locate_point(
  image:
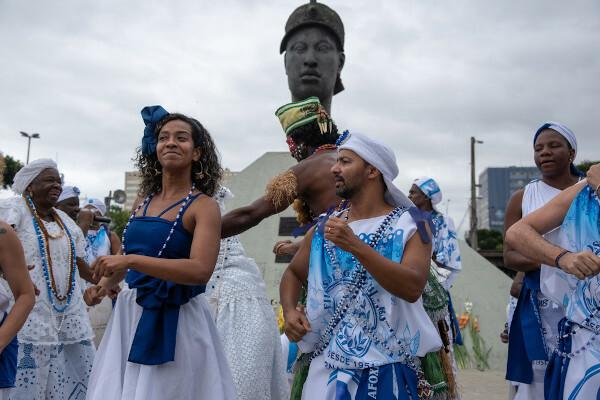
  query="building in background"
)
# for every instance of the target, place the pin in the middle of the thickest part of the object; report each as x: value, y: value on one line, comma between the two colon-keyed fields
x: 132, y: 185
x: 496, y: 185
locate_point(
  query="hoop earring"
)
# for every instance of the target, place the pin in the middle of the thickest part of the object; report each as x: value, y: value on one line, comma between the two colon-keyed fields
x: 200, y: 175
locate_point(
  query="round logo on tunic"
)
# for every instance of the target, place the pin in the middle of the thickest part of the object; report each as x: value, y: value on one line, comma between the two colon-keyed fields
x: 361, y: 316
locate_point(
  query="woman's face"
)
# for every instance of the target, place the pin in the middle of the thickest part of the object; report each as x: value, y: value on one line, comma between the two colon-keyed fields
x: 551, y: 153
x: 175, y: 145
x: 417, y: 196
x: 46, y: 188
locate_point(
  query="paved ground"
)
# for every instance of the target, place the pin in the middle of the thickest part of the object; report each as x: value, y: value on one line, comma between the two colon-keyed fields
x: 477, y: 385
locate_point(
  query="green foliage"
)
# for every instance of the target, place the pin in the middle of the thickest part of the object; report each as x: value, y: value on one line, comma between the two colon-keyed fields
x: 11, y: 167
x: 585, y: 165
x: 119, y: 219
x: 489, y: 239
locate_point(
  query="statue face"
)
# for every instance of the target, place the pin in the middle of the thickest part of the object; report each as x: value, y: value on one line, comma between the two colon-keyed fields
x: 312, y: 63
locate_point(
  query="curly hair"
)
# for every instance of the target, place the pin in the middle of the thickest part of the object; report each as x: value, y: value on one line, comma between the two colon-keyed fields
x: 310, y: 135
x: 206, y: 172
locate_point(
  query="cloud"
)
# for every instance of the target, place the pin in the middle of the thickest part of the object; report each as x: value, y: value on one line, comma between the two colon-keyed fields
x: 424, y: 76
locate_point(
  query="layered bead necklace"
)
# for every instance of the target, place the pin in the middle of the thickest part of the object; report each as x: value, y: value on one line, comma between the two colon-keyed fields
x: 357, y: 283
x: 43, y: 238
x: 177, y: 218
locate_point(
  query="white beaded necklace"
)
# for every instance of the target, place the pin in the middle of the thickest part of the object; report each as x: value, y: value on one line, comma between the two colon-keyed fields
x: 147, y: 201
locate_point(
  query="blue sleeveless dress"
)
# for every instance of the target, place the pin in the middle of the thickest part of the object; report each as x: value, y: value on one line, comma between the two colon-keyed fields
x: 161, y: 341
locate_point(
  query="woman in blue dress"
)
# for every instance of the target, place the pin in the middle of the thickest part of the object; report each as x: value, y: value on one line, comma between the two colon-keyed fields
x: 161, y: 341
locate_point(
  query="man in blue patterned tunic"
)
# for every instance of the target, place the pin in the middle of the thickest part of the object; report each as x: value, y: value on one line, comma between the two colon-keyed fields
x: 365, y: 267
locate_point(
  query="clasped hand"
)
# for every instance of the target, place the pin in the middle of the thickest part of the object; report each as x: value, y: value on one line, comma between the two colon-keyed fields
x: 338, y: 232
x: 109, y: 265
x: 583, y: 265
x: 94, y: 294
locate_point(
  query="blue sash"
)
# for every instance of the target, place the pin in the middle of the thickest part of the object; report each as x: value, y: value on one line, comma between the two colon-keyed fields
x: 378, y: 383
x: 556, y: 371
x: 454, y: 322
x: 8, y: 362
x: 155, y: 335
x: 525, y: 340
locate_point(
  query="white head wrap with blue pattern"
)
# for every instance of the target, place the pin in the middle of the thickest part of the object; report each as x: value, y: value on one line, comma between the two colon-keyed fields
x: 430, y: 188
x: 97, y: 204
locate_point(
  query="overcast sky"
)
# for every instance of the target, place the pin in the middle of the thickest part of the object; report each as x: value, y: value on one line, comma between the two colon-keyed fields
x: 422, y: 75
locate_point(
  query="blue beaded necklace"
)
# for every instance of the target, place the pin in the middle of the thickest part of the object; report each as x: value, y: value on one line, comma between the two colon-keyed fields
x: 147, y: 201
x: 44, y: 247
x: 358, y: 281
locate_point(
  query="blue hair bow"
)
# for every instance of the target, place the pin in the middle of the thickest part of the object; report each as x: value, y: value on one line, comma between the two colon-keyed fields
x: 151, y: 115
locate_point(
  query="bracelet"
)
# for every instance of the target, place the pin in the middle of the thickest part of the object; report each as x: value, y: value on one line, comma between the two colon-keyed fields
x: 558, y: 257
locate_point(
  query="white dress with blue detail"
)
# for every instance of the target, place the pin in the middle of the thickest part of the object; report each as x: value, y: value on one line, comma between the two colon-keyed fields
x: 56, y: 350
x: 245, y: 320
x: 351, y: 352
x: 198, y: 369
x: 580, y: 374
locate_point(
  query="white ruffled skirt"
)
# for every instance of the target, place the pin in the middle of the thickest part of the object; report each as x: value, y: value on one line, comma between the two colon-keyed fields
x: 200, y: 369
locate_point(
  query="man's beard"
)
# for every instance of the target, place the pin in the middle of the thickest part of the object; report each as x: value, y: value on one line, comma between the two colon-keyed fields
x: 345, y: 192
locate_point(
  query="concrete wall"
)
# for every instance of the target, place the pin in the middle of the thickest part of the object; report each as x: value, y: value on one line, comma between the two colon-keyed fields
x: 482, y: 284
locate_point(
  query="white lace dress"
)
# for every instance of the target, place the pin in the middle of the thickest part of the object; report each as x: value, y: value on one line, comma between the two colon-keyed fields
x: 55, y: 349
x: 246, y: 322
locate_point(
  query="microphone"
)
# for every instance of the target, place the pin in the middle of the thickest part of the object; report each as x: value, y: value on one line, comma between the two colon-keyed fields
x: 104, y: 220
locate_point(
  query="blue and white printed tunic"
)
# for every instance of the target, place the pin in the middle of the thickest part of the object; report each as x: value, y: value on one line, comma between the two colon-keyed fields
x: 445, y: 246
x: 580, y: 374
x: 393, y: 319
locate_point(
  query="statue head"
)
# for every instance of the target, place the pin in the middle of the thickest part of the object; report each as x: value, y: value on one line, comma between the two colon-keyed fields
x: 314, y: 52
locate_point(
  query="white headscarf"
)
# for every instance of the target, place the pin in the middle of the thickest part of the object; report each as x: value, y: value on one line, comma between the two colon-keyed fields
x: 68, y: 192
x: 430, y: 188
x: 97, y: 204
x: 381, y: 157
x: 28, y: 173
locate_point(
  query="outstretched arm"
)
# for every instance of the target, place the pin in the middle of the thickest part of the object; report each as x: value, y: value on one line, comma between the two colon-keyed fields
x: 280, y: 193
x: 12, y: 261
x: 526, y: 236
x: 241, y: 219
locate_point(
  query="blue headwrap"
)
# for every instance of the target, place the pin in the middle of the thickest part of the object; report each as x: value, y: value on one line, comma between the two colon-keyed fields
x: 151, y: 115
x: 564, y: 132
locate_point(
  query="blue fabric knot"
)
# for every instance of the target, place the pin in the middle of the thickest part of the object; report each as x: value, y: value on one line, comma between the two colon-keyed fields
x: 151, y: 115
x: 525, y: 340
x: 155, y: 335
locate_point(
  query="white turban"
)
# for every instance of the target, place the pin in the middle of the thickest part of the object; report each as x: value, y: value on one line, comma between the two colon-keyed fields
x: 28, y: 173
x: 430, y: 188
x: 381, y: 157
x: 68, y: 192
x: 97, y: 204
x: 561, y: 129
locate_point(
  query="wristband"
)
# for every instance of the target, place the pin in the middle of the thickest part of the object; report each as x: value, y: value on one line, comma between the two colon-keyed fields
x: 558, y: 257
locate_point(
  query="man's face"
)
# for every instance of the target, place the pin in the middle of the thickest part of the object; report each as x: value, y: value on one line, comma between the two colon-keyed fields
x: 312, y: 63
x: 350, y: 172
